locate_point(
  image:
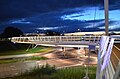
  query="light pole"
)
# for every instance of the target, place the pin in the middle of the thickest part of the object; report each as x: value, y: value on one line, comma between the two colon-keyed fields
x: 78, y: 29
x: 106, y: 2
x: 86, y: 75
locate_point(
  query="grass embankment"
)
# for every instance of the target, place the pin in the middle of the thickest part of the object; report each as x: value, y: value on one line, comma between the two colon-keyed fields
x: 23, y: 51
x: 39, y: 49
x: 9, y: 48
x: 48, y: 72
x: 6, y: 61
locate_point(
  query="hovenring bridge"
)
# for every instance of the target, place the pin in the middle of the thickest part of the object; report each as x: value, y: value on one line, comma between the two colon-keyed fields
x: 111, y: 71
x: 59, y: 41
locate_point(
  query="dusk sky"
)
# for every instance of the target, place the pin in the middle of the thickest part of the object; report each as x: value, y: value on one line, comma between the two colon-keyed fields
x: 58, y: 15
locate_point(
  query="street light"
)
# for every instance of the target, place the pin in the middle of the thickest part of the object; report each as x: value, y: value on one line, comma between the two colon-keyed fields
x: 86, y: 76
x: 37, y: 31
x: 78, y: 29
x: 63, y: 32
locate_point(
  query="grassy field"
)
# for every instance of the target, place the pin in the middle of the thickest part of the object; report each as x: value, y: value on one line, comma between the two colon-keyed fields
x: 9, y: 48
x: 23, y: 51
x: 6, y: 61
x: 48, y: 72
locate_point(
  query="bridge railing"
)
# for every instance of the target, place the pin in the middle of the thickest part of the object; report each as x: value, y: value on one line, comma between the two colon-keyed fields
x: 109, y: 58
x: 56, y: 39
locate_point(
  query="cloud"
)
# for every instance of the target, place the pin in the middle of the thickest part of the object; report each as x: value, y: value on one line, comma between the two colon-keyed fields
x: 113, y: 25
x: 21, y: 21
x: 87, y: 13
x: 15, y: 9
x: 115, y: 6
x: 75, y: 16
x: 50, y: 28
x: 93, y: 23
x: 47, y: 16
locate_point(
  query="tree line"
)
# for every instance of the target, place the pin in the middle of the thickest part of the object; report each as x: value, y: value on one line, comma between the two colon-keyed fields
x: 11, y: 32
x: 15, y: 32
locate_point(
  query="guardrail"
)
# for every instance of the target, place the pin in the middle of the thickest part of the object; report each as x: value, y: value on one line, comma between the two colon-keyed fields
x: 109, y: 59
x: 113, y: 68
x: 115, y: 60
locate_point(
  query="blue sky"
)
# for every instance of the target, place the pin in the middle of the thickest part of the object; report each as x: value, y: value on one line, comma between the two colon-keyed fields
x: 61, y: 18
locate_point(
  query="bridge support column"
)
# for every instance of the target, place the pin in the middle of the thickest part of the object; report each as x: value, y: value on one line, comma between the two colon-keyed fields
x: 85, y: 50
x: 78, y: 52
x: 63, y: 51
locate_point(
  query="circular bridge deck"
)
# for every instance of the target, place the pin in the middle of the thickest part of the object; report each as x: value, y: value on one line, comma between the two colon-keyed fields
x: 61, y: 41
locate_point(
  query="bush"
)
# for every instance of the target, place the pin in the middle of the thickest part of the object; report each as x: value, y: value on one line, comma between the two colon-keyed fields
x: 50, y: 72
x: 43, y: 70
